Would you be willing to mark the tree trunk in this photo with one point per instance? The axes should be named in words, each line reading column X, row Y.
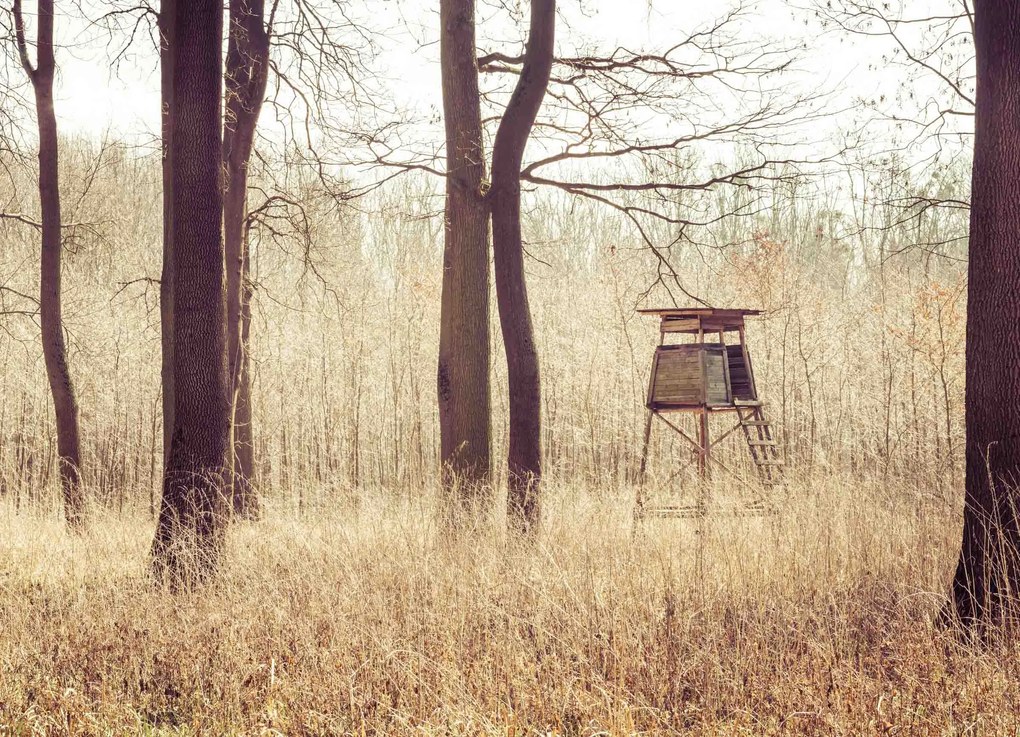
column 246, row 73
column 54, row 349
column 166, row 291
column 463, row 372
column 244, row 441
column 525, row 452
column 193, row 513
column 987, row 582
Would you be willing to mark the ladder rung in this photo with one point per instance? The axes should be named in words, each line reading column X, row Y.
column 747, row 403
column 777, row 462
column 755, row 423
column 677, row 511
column 753, row 509
column 761, row 506
column 763, row 443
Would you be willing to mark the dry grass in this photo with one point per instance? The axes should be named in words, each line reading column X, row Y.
column 817, row 621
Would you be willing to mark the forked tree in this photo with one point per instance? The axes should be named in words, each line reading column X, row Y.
column 247, row 66
column 464, row 362
column 986, row 587
column 54, row 347
column 194, row 509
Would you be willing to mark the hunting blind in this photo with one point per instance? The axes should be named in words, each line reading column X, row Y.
column 709, row 373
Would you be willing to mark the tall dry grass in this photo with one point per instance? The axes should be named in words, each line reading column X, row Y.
column 816, row 621
column 346, row 611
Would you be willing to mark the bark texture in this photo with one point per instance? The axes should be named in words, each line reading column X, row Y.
column 166, row 291
column 986, row 586
column 54, row 348
column 464, row 361
column 246, row 74
column 194, row 509
column 525, row 451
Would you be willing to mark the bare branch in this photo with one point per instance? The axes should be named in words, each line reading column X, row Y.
column 19, row 36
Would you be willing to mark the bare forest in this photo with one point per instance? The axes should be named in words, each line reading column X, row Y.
column 386, row 368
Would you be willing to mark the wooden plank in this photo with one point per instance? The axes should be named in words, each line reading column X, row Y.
column 726, row 373
column 667, row 388
column 677, row 384
column 677, row 397
column 651, row 380
column 677, row 400
column 691, row 398
column 747, row 363
column 726, row 323
column 715, row 378
column 682, row 373
column 651, row 377
column 690, row 311
column 680, row 325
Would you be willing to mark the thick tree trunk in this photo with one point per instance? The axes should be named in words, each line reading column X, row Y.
column 463, row 374
column 525, row 452
column 986, row 588
column 54, row 349
column 166, row 291
column 246, row 74
column 194, row 509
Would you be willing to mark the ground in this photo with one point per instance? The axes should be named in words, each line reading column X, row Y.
column 818, row 620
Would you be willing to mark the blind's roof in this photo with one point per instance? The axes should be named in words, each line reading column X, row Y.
column 698, row 312
column 697, row 319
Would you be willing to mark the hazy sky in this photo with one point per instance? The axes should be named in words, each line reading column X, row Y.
column 93, row 96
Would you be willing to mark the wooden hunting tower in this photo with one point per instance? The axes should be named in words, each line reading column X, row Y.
column 708, row 373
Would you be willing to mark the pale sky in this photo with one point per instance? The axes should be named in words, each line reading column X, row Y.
column 92, row 99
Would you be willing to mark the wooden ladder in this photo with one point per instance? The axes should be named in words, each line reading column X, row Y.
column 761, row 441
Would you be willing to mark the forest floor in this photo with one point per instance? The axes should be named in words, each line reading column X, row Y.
column 818, row 620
